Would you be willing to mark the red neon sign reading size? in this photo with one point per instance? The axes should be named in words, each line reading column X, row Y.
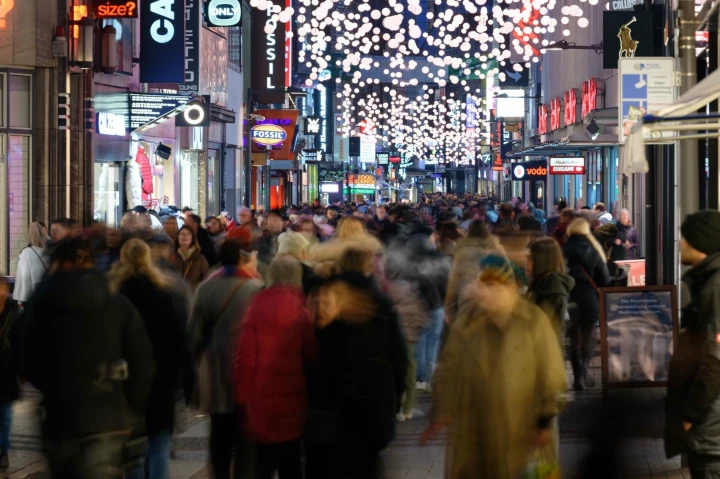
column 117, row 9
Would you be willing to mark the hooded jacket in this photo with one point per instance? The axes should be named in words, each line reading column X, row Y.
column 550, row 292
column 75, row 331
column 276, row 345
column 590, row 272
column 694, row 375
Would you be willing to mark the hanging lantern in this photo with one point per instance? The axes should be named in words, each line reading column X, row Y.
column 81, row 54
column 109, row 49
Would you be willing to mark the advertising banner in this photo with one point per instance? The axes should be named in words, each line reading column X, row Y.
column 638, row 327
column 285, row 119
column 146, row 107
column 636, row 277
column 191, row 85
column 162, row 42
column 567, row 165
column 268, row 55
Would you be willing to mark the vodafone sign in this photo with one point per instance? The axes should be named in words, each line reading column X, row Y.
column 529, row 171
column 567, row 165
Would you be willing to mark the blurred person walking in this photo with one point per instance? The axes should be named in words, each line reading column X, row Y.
column 692, row 424
column 216, row 231
column 549, row 285
column 560, row 232
column 356, row 386
column 33, row 264
column 495, row 417
column 277, row 344
column 351, row 233
column 88, row 353
column 148, row 289
column 587, row 265
column 207, row 247
column 11, row 357
column 218, row 309
column 189, row 261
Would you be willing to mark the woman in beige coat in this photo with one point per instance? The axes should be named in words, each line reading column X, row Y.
column 499, row 382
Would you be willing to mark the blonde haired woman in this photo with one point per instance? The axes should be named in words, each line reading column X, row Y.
column 136, row 277
column 587, row 265
column 351, row 233
column 33, row 263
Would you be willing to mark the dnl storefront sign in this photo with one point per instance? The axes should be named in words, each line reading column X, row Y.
column 223, row 13
column 162, row 39
column 268, row 55
column 566, row 165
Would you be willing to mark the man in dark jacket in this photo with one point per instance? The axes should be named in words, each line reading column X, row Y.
column 693, row 402
column 89, row 355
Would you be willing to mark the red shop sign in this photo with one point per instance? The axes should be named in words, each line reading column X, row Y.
column 589, row 97
column 555, row 114
column 570, row 98
column 542, row 120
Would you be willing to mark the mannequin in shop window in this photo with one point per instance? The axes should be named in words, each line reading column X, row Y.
column 133, row 185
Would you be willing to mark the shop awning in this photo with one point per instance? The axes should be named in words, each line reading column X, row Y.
column 571, row 144
column 679, row 117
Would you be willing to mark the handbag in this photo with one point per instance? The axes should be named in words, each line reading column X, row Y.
column 203, row 393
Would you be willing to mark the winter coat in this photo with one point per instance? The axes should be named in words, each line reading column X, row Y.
column 11, row 351
column 164, row 318
column 586, row 267
column 194, row 269
column 550, row 292
column 277, row 342
column 466, row 268
column 332, row 250
column 76, row 330
column 694, row 375
column 133, row 185
column 491, row 411
column 626, row 233
column 213, row 333
column 360, row 374
column 146, row 173
column 32, row 266
column 413, row 315
column 207, row 247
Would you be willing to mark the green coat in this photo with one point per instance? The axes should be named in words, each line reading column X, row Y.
column 491, row 388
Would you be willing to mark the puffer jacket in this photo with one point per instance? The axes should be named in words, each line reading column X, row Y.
column 694, row 375
column 276, row 344
column 586, row 267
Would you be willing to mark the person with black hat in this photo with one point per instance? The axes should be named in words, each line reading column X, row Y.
column 692, row 423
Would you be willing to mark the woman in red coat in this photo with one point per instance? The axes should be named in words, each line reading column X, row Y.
column 276, row 344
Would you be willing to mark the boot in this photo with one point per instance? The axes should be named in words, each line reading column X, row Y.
column 587, row 376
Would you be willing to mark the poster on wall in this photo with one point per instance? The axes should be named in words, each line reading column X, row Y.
column 162, row 40
column 638, row 327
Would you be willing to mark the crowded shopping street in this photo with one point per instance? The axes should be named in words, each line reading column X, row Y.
column 360, row 239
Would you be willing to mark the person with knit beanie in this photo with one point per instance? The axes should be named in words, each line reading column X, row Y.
column 692, row 422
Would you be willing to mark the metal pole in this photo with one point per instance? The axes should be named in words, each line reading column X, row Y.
column 689, row 200
column 267, row 180
column 248, row 152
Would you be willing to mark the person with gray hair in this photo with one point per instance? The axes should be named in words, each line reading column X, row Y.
column 295, row 246
column 276, row 345
column 627, row 242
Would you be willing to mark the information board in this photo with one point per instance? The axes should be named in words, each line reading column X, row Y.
column 147, row 107
column 638, row 327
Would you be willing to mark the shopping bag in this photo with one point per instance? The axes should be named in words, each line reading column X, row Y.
column 543, row 466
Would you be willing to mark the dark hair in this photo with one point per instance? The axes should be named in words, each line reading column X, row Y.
column 505, row 211
column 355, row 260
column 186, row 209
column 562, row 204
column 230, row 252
column 73, row 250
column 448, row 231
column 478, row 229
column 528, row 223
column 547, row 257
column 600, row 206
column 194, row 244
column 195, row 218
column 585, row 208
column 66, row 223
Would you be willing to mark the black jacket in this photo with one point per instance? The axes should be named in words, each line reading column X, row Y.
column 75, row 331
column 694, row 376
column 11, row 347
column 361, row 372
column 629, row 234
column 207, row 247
column 551, row 292
column 584, row 263
column 165, row 318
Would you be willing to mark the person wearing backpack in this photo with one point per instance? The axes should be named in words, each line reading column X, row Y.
column 11, row 339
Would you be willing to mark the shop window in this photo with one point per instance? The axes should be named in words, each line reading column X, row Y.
column 20, row 101
column 189, row 174
column 213, row 184
column 107, row 195
column 18, row 200
column 235, row 49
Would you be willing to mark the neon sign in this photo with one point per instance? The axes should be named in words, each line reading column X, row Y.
column 555, row 114
column 570, row 98
column 117, row 9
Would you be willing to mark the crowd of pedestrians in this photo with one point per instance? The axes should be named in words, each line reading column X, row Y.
column 305, row 334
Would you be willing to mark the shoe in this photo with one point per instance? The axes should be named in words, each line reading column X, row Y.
column 421, row 385
column 400, row 417
column 408, row 416
column 4, row 460
column 577, row 385
column 588, row 379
